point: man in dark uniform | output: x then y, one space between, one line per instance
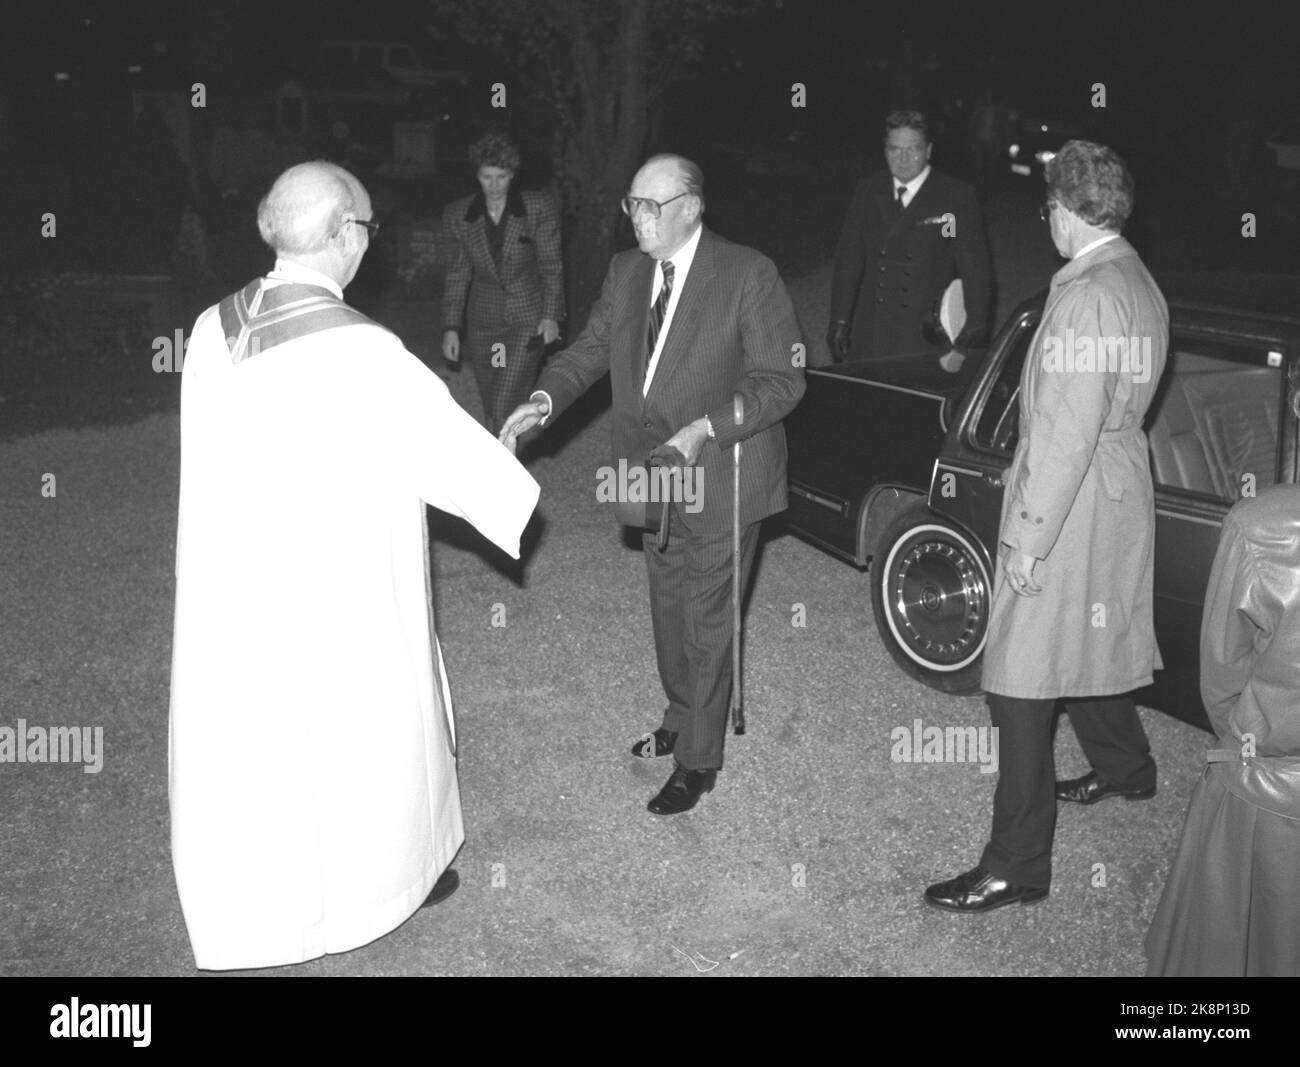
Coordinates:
909 232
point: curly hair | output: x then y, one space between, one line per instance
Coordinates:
494 150
1093 182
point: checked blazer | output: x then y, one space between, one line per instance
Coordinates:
502 305
891 270
734 331
528 287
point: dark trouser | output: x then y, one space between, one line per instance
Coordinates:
690 605
1024 804
505 377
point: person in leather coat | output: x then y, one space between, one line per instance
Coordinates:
1229 906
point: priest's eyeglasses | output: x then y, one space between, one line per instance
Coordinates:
653 207
372 227
1045 210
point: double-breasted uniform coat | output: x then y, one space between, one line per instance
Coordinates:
502 303
1079 495
891 268
1230 904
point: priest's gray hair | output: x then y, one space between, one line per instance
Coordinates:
305 207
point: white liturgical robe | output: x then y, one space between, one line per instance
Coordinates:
313 786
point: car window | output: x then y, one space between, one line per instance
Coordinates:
1213 424
998 424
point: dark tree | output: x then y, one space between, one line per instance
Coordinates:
599 66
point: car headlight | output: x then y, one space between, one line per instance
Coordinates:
1013 151
1044 156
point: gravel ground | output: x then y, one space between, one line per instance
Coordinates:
808 858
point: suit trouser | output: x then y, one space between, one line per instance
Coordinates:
690 606
505 378
1024 803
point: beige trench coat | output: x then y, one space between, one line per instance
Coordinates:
1078 493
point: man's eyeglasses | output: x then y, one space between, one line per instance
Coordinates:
654 207
372 227
1045 210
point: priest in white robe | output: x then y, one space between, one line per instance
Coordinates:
314 802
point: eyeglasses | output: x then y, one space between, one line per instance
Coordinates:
654 207
372 227
1045 209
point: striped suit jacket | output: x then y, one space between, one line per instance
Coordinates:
734 331
528 287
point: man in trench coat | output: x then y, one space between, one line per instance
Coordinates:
1072 600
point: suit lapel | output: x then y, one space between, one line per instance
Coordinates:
510 245
480 251
885 200
682 330
925 202
632 342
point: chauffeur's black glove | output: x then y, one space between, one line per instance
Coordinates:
837 340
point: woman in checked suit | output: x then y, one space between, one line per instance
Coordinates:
505 280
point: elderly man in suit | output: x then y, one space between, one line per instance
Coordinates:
909 232
1072 611
684 326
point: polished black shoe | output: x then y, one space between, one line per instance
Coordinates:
977 890
682 791
448 882
1089 789
663 741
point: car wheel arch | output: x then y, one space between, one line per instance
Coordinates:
880 510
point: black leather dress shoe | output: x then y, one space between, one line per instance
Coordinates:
977 890
682 791
448 882
663 744
1089 789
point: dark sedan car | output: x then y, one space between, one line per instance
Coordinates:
899 464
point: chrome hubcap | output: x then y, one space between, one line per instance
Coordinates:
939 599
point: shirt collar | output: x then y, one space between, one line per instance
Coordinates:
286 270
1094 244
684 256
913 185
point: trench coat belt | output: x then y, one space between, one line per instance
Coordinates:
1110 483
1268 782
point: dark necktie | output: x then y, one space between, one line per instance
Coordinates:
657 313
898 199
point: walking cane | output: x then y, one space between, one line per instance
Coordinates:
737 689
